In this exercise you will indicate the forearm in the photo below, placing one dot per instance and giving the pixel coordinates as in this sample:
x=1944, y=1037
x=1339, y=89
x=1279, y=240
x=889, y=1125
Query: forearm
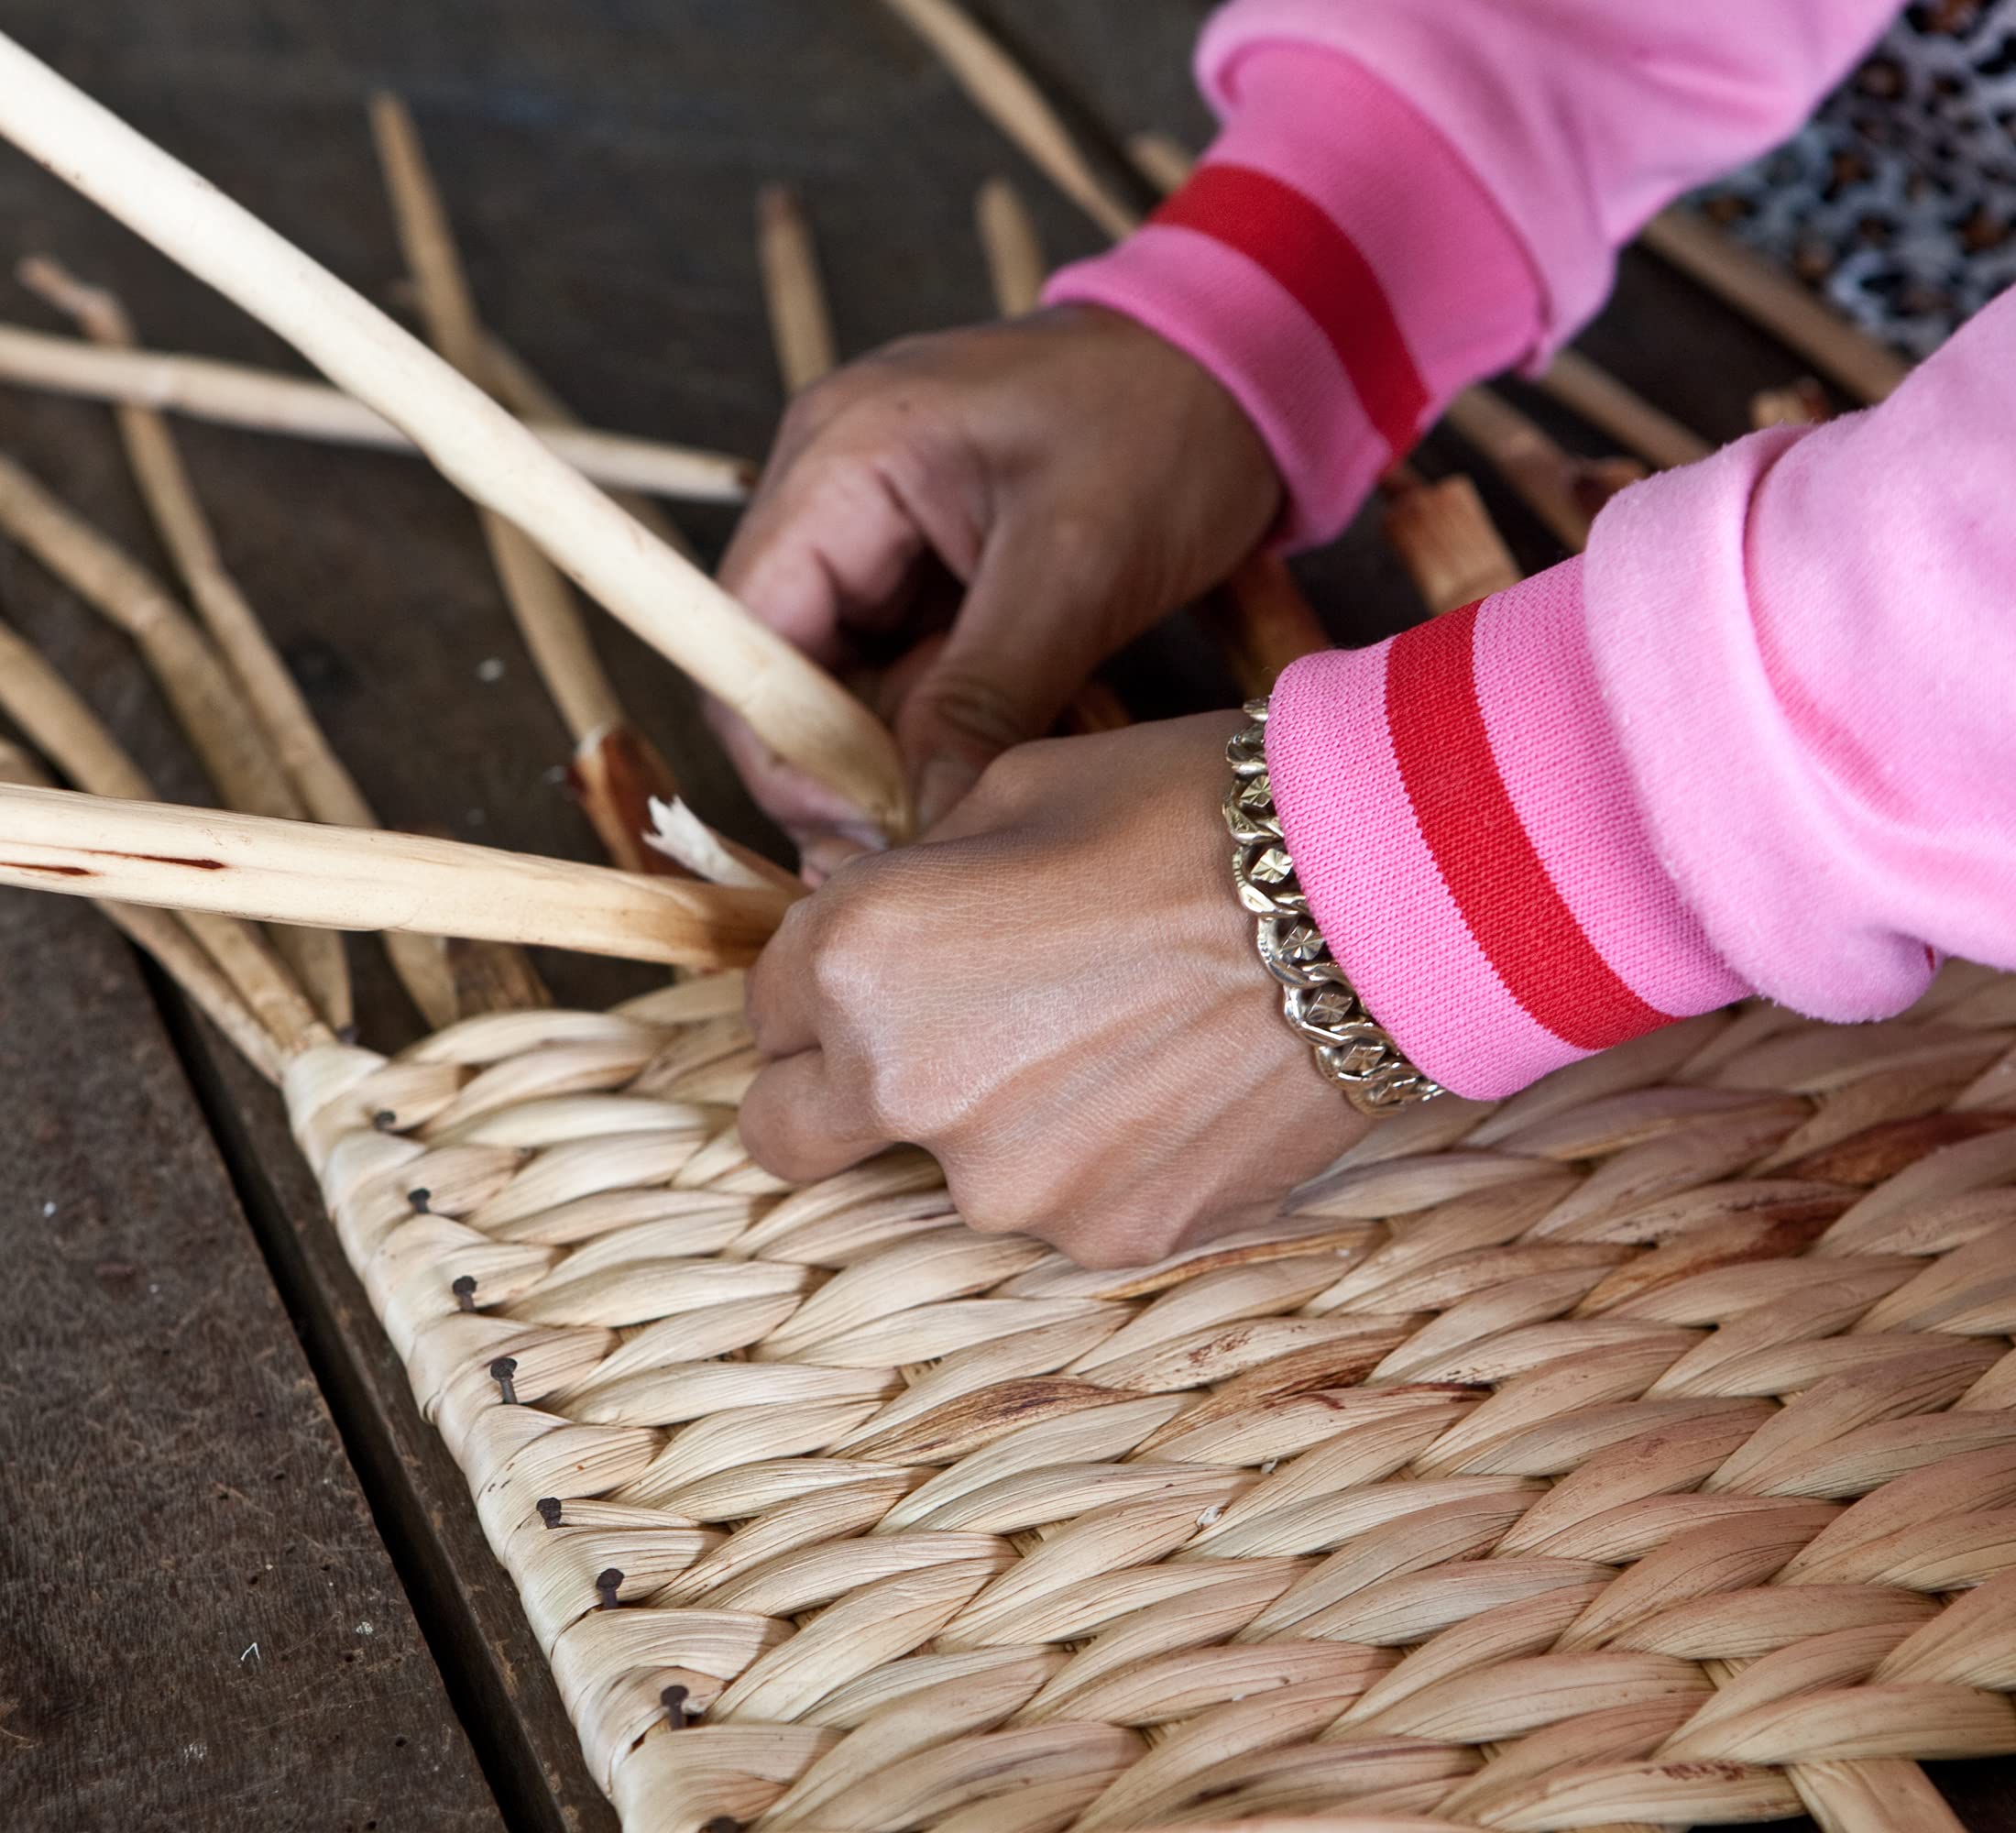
x=1758, y=740
x=1405, y=199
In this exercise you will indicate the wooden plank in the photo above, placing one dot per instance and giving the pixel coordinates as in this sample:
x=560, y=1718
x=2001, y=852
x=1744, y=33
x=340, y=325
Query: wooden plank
x=201, y=1626
x=601, y=162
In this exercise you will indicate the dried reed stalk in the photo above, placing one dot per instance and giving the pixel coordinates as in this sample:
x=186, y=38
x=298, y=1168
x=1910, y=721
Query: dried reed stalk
x=800, y=325
x=550, y=624
x=1565, y=492
x=1775, y=302
x=1004, y=92
x=162, y=936
x=1261, y=621
x=1016, y=266
x=66, y=732
x=805, y=717
x=616, y=771
x=1626, y=416
x=220, y=726
x=1162, y=160
x=338, y=878
x=1446, y=540
x=264, y=400
x=326, y=790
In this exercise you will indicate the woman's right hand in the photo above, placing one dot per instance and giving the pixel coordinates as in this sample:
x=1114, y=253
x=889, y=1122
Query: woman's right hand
x=1063, y=481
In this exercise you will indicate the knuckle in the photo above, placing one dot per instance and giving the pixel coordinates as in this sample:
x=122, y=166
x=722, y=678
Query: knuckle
x=977, y=708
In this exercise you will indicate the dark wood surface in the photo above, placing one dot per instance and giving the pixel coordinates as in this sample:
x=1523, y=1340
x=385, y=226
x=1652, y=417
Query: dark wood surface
x=599, y=161
x=200, y=1626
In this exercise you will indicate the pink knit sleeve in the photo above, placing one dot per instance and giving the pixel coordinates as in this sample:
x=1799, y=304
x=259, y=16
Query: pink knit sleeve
x=1760, y=738
x=1294, y=268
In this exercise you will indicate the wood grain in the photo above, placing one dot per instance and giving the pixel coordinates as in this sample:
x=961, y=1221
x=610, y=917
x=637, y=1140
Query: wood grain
x=200, y=1626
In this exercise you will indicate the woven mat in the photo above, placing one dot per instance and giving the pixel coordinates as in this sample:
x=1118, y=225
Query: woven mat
x=1638, y=1452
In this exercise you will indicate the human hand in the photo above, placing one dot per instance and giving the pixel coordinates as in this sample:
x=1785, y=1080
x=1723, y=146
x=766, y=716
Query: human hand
x=1058, y=995
x=1058, y=483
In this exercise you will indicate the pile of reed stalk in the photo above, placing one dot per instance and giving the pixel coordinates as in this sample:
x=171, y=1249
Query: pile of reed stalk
x=1635, y=1452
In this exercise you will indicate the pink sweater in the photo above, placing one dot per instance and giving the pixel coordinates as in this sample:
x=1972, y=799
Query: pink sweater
x=1762, y=737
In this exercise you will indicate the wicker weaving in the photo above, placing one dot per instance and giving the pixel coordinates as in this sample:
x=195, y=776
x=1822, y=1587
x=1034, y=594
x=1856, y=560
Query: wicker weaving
x=1635, y=1452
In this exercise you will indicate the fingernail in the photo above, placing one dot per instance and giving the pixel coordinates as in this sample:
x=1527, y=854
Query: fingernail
x=940, y=787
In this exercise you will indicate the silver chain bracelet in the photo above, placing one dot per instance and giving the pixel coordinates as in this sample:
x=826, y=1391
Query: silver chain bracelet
x=1352, y=1048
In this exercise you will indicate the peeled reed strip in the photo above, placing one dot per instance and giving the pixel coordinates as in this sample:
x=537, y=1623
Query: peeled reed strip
x=1775, y=302
x=161, y=935
x=266, y=400
x=1004, y=93
x=1564, y=492
x=1626, y=416
x=805, y=717
x=199, y=689
x=801, y=327
x=337, y=878
x=1015, y=263
x=327, y=790
x=58, y=723
x=1446, y=540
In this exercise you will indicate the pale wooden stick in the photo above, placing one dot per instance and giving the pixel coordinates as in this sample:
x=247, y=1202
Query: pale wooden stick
x=527, y=394
x=1005, y=92
x=66, y=732
x=1016, y=262
x=1564, y=492
x=160, y=934
x=1773, y=300
x=548, y=619
x=207, y=705
x=341, y=878
x=1162, y=160
x=1626, y=416
x=1445, y=539
x=1799, y=404
x=327, y=790
x=264, y=400
x=801, y=713
x=801, y=327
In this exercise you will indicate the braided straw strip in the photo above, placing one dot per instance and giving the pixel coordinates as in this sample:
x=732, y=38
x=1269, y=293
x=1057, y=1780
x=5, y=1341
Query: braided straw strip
x=1635, y=1452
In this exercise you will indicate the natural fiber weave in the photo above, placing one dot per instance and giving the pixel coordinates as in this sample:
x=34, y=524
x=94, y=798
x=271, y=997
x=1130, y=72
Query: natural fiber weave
x=1636, y=1452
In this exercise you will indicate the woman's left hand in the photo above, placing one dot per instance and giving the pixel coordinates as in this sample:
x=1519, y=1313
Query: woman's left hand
x=1056, y=993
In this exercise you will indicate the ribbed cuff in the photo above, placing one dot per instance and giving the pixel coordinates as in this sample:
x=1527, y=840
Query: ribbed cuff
x=1335, y=265
x=1462, y=820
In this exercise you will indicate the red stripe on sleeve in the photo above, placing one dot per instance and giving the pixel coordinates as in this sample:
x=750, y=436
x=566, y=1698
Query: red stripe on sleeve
x=1483, y=852
x=1280, y=228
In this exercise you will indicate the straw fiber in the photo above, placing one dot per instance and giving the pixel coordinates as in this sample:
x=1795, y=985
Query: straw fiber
x=1635, y=1452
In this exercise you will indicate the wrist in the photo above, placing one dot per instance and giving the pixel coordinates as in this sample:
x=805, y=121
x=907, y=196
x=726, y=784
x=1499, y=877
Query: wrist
x=1294, y=267
x=1353, y=1050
